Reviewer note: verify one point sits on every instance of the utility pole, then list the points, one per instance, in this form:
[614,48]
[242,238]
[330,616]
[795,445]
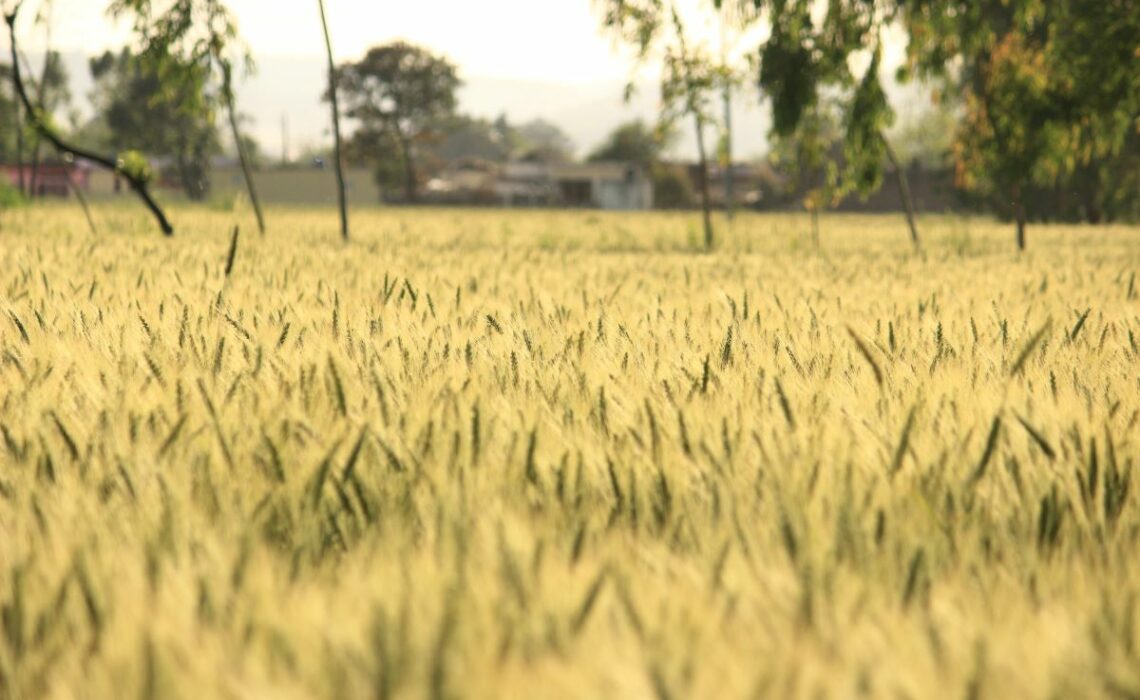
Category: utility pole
[284,138]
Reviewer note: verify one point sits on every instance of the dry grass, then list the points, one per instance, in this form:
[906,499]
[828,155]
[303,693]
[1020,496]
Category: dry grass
[521,455]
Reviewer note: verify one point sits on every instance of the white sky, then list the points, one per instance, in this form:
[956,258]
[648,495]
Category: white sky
[555,40]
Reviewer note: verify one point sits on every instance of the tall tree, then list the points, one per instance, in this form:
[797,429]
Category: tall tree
[810,154]
[633,142]
[461,136]
[807,57]
[464,136]
[403,93]
[1008,133]
[735,20]
[640,143]
[542,140]
[1051,90]
[128,164]
[10,118]
[51,90]
[10,124]
[690,78]
[51,93]
[196,43]
[338,155]
[143,112]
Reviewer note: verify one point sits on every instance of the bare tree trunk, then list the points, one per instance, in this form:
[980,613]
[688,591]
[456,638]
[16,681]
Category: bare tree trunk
[1020,228]
[904,193]
[185,173]
[703,177]
[82,200]
[815,225]
[410,189]
[41,91]
[1094,195]
[341,199]
[243,157]
[138,184]
[34,184]
[1019,216]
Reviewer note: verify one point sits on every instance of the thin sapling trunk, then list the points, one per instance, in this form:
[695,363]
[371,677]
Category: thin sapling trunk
[703,176]
[243,156]
[338,164]
[134,179]
[904,193]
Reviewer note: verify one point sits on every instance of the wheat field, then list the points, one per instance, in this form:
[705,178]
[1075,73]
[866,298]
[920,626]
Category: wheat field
[479,454]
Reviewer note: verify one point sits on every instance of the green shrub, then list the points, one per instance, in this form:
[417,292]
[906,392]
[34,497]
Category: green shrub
[9,196]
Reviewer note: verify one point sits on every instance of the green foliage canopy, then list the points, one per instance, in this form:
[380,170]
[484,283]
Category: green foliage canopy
[142,112]
[399,95]
[1051,91]
[634,142]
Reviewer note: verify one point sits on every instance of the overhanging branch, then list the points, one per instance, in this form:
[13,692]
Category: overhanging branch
[34,117]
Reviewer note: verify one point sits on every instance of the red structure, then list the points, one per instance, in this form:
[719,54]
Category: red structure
[52,180]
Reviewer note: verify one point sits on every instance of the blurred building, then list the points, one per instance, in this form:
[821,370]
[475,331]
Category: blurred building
[610,186]
[300,185]
[46,180]
[754,185]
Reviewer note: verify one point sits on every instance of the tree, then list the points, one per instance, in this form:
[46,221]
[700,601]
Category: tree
[735,19]
[1007,136]
[689,79]
[810,153]
[195,43]
[672,187]
[334,100]
[10,124]
[1010,142]
[633,142]
[402,93]
[507,135]
[51,90]
[129,165]
[383,153]
[540,140]
[10,118]
[463,136]
[928,137]
[804,59]
[1094,49]
[1051,94]
[637,142]
[143,112]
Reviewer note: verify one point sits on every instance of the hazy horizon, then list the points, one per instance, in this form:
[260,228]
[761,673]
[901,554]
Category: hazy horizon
[553,64]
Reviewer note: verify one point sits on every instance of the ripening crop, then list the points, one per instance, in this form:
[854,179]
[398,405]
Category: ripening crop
[478,454]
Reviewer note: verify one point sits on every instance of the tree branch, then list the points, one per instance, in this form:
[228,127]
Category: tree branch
[137,184]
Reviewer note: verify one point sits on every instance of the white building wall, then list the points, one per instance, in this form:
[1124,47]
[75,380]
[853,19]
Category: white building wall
[621,195]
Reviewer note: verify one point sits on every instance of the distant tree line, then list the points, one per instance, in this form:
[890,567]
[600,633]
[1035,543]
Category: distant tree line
[400,102]
[1039,102]
[1047,92]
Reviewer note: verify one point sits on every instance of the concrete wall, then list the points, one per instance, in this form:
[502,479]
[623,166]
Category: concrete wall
[623,195]
[301,186]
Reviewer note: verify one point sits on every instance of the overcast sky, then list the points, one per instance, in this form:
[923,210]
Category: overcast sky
[556,40]
[529,58]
